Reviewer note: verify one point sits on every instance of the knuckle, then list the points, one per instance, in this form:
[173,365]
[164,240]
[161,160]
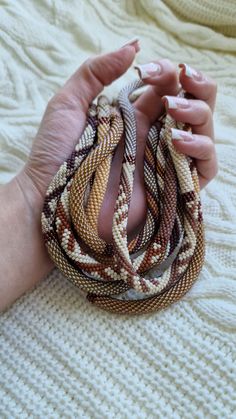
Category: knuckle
[63,100]
[90,67]
[209,147]
[211,92]
[169,76]
[93,70]
[213,87]
[206,111]
[206,148]
[171,73]
[87,65]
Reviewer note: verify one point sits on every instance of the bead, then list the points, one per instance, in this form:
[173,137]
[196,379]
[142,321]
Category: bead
[174,216]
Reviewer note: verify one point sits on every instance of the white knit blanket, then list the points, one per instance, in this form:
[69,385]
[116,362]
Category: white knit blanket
[60,356]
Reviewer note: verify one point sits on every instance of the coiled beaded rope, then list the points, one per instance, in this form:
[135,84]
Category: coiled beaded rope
[174,224]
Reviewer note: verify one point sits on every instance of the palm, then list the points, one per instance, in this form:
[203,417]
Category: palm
[59,132]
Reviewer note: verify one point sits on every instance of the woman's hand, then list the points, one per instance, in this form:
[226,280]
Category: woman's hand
[61,128]
[65,117]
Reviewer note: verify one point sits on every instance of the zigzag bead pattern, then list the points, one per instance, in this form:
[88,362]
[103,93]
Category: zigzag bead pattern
[174,223]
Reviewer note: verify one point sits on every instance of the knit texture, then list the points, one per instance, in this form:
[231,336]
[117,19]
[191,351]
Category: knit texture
[220,16]
[60,356]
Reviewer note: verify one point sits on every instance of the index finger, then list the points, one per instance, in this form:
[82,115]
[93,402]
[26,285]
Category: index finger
[91,77]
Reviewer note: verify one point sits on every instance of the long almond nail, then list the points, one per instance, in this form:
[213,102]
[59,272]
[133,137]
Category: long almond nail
[176,102]
[148,70]
[191,72]
[180,135]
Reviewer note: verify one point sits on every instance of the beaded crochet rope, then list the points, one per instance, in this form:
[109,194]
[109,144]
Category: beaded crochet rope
[126,277]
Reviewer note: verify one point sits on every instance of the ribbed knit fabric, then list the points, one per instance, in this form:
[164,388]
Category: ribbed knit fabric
[60,356]
[219,16]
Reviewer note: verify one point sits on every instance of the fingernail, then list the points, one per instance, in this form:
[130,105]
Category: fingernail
[148,70]
[176,102]
[178,134]
[133,42]
[191,72]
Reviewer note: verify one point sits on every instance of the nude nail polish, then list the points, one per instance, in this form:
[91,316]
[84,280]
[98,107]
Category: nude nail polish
[132,41]
[181,135]
[148,70]
[191,72]
[176,102]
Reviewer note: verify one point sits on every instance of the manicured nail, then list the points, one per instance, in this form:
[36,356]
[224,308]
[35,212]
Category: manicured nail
[176,102]
[191,72]
[178,134]
[134,42]
[148,70]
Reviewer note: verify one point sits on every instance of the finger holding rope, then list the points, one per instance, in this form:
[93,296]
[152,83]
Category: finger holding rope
[198,113]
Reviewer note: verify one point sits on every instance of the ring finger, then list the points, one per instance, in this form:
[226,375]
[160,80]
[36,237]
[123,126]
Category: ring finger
[199,144]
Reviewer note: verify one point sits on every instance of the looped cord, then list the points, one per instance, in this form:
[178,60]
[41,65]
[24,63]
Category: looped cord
[113,273]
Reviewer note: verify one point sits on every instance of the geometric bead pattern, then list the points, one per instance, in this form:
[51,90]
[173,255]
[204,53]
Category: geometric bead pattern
[174,221]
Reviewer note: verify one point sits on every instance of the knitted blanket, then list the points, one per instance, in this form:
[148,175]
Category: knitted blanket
[60,356]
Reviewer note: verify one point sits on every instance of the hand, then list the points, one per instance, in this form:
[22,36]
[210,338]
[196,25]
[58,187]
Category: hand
[59,131]
[65,117]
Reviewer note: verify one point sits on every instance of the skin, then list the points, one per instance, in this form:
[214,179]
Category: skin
[24,260]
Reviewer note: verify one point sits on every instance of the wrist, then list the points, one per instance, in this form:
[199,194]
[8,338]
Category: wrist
[23,256]
[28,193]
[32,201]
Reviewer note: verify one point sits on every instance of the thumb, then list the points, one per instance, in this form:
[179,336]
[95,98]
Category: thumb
[95,73]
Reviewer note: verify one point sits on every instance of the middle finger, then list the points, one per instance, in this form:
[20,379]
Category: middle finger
[195,112]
